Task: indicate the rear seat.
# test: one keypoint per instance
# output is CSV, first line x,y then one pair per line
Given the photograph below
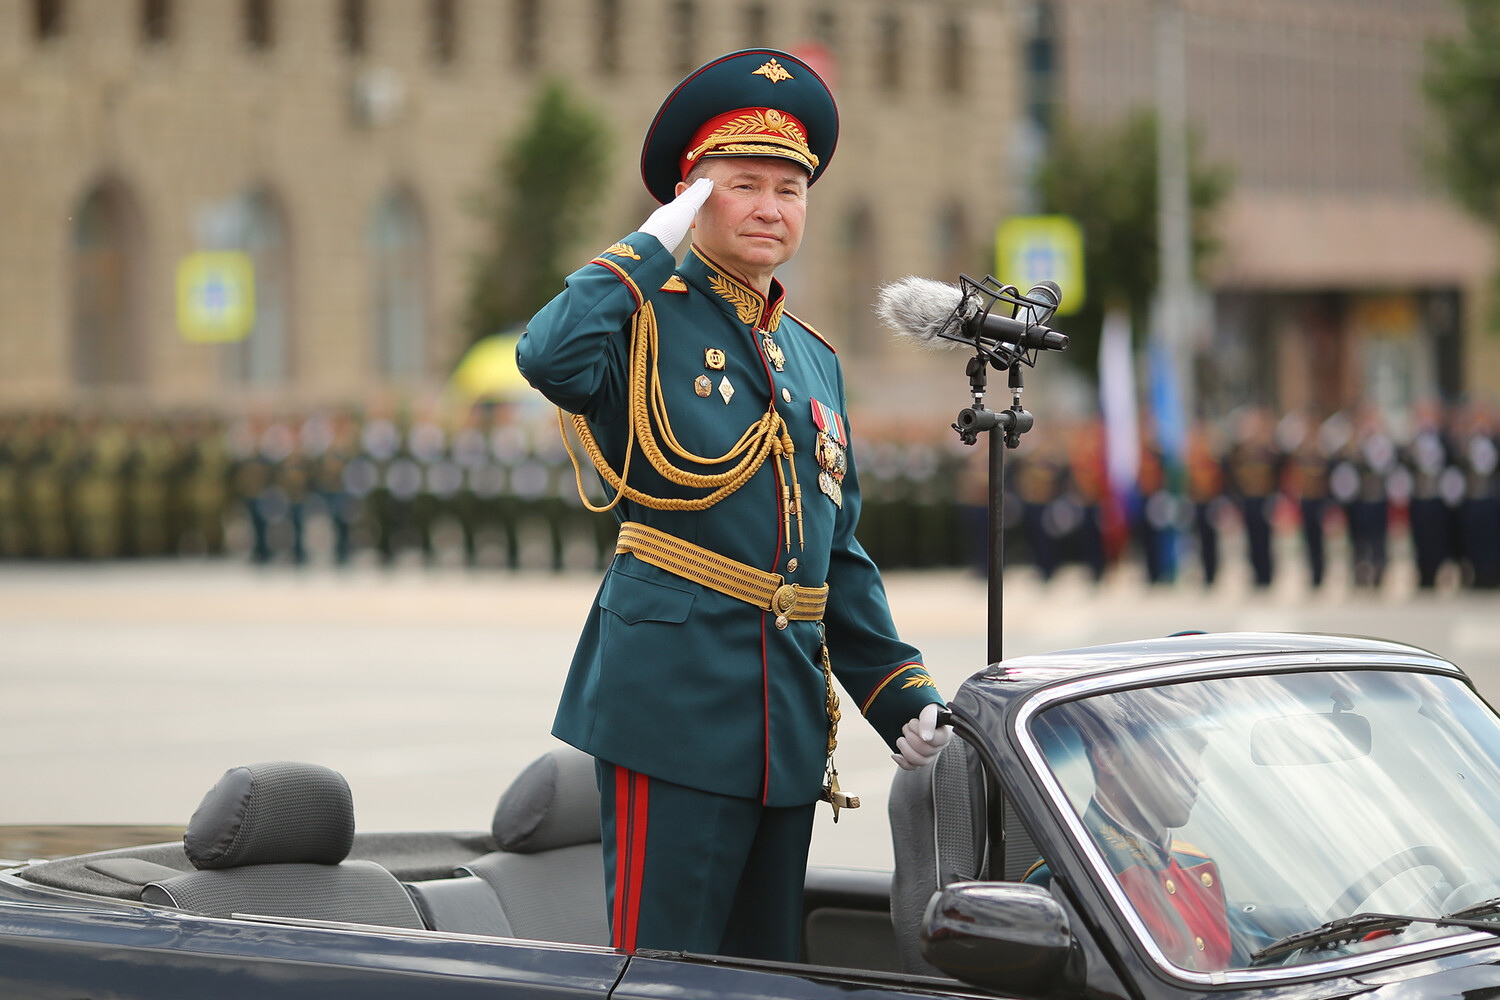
x,y
271,839
548,875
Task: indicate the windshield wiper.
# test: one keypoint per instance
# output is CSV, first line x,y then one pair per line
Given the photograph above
x,y
1486,908
1358,925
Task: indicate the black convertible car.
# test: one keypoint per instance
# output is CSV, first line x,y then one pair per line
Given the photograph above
x,y
1250,815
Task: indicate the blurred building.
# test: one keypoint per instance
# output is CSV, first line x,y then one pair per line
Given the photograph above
x,y
338,143
1344,274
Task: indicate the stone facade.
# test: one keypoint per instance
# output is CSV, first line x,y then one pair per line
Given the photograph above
x,y
164,112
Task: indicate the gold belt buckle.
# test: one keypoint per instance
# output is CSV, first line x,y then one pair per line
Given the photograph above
x,y
783,601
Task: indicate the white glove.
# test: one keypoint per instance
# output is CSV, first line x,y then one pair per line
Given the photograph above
x,y
670,223
922,740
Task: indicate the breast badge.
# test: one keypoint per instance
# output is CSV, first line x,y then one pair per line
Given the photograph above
x,y
831,451
702,385
773,351
726,390
713,359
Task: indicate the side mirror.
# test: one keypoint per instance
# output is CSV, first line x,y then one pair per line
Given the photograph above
x,y
1003,936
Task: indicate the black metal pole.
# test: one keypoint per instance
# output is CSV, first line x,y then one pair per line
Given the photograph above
x,y
996,566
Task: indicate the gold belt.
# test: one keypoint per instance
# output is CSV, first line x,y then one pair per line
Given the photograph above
x,y
767,591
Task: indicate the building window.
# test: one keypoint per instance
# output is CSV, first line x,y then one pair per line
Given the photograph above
x,y
156,21
684,26
888,49
442,21
953,57
397,249
264,356
860,276
47,19
757,24
825,28
528,26
106,256
950,239
1041,66
353,27
260,24
608,21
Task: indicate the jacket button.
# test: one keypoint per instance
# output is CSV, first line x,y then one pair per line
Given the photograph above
x,y
786,395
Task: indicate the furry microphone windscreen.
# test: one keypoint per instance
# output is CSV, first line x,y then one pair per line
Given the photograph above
x,y
919,308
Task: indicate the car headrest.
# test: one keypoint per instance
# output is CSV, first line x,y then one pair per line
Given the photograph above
x,y
554,803
279,812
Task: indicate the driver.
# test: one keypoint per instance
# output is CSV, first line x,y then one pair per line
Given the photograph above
x,y
1146,756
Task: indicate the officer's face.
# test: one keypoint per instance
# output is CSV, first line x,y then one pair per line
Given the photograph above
x,y
1157,777
752,223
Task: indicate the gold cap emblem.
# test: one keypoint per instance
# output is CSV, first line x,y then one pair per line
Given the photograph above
x,y
773,71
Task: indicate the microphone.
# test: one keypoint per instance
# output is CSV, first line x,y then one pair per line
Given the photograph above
x,y
929,311
1046,292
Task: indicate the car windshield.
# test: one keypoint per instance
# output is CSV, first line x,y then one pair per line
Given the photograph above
x,y
1224,815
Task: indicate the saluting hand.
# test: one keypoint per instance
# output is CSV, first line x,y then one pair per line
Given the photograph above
x,y
922,740
670,223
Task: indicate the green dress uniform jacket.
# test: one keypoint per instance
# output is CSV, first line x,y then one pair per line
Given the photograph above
x,y
670,678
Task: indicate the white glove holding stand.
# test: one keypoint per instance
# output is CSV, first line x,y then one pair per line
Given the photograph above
x,y
921,741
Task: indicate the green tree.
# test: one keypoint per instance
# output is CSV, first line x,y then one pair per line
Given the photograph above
x,y
1105,178
542,191
1462,84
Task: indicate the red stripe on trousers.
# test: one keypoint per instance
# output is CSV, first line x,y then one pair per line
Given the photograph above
x,y
638,814
631,802
622,849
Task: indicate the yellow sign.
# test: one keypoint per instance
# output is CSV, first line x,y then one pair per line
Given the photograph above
x,y
215,296
1032,248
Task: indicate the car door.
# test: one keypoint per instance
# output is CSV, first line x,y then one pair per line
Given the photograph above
x,y
75,953
711,978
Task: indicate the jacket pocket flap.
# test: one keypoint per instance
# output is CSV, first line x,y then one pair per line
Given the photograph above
x,y
636,600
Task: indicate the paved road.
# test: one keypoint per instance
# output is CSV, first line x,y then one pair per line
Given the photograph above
x,y
129,689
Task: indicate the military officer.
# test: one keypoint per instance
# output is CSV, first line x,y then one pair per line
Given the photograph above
x,y
1147,762
1205,490
1428,457
1307,484
703,681
1252,471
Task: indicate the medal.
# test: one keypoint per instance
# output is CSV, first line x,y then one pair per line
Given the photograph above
x,y
702,386
773,351
831,452
831,489
713,358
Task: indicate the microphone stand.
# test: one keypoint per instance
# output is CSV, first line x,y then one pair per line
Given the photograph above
x,y
977,419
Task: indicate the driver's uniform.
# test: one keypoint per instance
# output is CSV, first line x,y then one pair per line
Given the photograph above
x,y
1174,888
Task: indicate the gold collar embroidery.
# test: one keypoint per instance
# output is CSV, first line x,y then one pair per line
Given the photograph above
x,y
748,303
